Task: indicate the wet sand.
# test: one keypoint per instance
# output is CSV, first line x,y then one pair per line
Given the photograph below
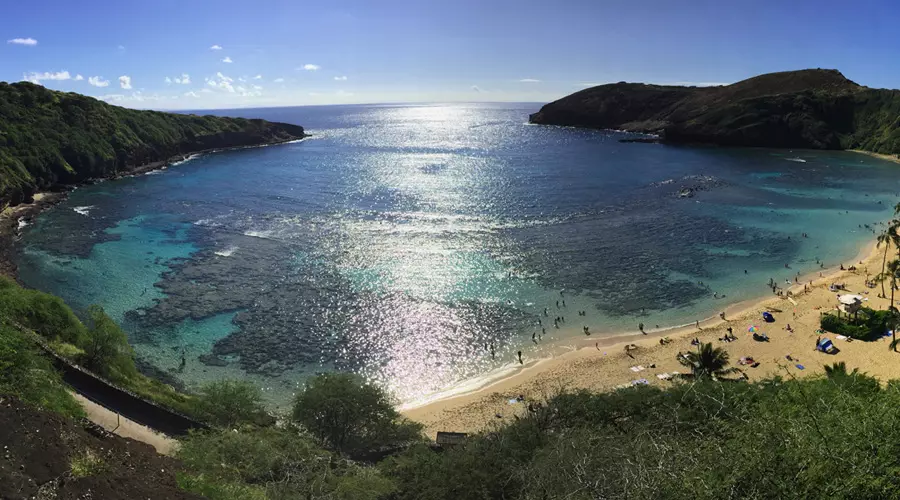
x,y
602,364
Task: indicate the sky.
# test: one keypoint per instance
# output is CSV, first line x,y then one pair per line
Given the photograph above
x,y
199,54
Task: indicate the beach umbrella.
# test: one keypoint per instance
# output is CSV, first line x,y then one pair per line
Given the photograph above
x,y
753,329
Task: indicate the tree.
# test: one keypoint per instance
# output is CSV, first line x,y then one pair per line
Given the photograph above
x,y
228,403
107,351
350,415
839,369
707,362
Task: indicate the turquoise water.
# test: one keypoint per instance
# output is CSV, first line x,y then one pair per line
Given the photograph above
x,y
402,241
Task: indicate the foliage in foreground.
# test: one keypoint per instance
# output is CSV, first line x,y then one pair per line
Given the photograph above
x,y
228,403
835,437
101,345
350,415
273,463
26,374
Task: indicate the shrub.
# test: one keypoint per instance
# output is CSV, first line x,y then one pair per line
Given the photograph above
x,y
107,351
44,313
867,325
228,403
280,463
26,374
350,415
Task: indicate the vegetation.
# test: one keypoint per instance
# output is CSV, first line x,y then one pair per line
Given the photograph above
x,y
87,464
26,374
229,403
812,108
49,137
274,464
867,324
707,362
351,416
102,346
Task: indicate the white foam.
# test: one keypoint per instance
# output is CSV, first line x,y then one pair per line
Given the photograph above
x,y
260,234
22,222
185,160
228,252
85,211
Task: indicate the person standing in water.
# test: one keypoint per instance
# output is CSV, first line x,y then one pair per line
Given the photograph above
x,y
520,358
641,328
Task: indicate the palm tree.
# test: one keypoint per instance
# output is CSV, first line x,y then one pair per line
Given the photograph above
x,y
883,239
707,362
839,370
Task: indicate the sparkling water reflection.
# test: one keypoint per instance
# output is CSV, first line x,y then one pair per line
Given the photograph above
x,y
404,242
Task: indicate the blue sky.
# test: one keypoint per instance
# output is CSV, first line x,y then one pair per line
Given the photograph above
x,y
301,52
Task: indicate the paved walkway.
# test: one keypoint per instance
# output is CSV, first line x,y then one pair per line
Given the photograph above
x,y
126,428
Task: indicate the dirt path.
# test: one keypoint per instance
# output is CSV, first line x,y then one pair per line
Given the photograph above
x,y
109,420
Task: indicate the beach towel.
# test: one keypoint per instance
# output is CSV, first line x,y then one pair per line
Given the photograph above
x,y
801,367
663,376
840,337
637,368
640,381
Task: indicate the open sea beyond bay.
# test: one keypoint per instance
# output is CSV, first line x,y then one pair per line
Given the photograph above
x,y
399,241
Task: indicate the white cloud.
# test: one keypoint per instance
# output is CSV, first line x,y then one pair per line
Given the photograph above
x,y
278,80
78,78
529,80
38,77
31,42
191,94
184,79
111,97
242,79
168,80
216,47
311,67
121,47
227,60
98,81
256,87
257,77
475,88
340,78
205,91
223,82
592,84
125,82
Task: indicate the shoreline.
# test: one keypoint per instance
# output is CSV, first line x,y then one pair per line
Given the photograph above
x,y
10,229
602,364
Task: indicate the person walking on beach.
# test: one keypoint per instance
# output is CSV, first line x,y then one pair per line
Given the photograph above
x,y
641,328
698,324
493,353
520,358
534,337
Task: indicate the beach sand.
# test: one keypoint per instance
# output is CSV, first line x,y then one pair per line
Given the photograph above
x,y
606,365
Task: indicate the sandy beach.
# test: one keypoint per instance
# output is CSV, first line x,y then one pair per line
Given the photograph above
x,y
603,364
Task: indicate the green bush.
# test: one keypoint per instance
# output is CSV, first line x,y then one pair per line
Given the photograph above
x,y
107,351
26,374
281,463
867,324
228,403
44,313
351,416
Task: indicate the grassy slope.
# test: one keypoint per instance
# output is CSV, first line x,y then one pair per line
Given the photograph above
x,y
49,137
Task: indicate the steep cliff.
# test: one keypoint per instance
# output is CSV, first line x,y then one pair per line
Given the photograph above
x,y
49,138
811,108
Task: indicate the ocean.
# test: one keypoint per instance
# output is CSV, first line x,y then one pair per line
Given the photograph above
x,y
407,242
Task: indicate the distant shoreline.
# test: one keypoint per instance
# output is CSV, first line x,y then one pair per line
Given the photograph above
x,y
10,231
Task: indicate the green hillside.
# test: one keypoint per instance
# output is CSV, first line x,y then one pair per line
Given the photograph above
x,y
49,137
812,108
